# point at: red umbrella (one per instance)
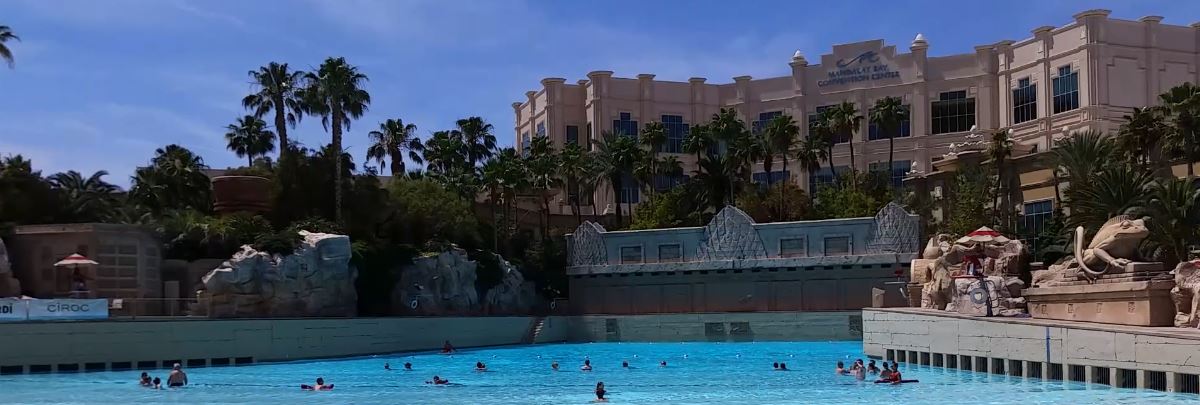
(74, 260)
(983, 235)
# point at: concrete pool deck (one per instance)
(1161, 358)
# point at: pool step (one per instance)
(535, 329)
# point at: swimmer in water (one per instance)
(624, 364)
(387, 366)
(871, 368)
(157, 384)
(841, 369)
(783, 367)
(554, 365)
(438, 381)
(600, 391)
(775, 365)
(479, 366)
(320, 386)
(407, 366)
(662, 363)
(447, 347)
(145, 379)
(587, 366)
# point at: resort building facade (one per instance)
(1086, 74)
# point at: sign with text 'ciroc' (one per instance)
(62, 309)
(12, 309)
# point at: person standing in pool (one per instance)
(871, 368)
(447, 347)
(662, 363)
(554, 365)
(841, 369)
(438, 381)
(387, 366)
(775, 365)
(145, 379)
(587, 366)
(479, 366)
(624, 364)
(177, 378)
(600, 391)
(783, 367)
(156, 384)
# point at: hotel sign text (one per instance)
(867, 66)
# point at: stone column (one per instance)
(646, 99)
(1004, 52)
(1141, 379)
(1172, 380)
(1045, 93)
(1089, 373)
(1153, 55)
(919, 113)
(986, 58)
(554, 125)
(517, 123)
(697, 102)
(1093, 74)
(601, 119)
(744, 101)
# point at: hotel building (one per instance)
(1086, 74)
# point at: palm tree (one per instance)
(1116, 189)
(1142, 133)
(714, 179)
(743, 148)
(174, 180)
(843, 122)
(87, 200)
(615, 157)
(443, 152)
(780, 134)
(1174, 207)
(335, 93)
(821, 134)
(1183, 140)
(699, 140)
(999, 149)
(887, 114)
(1078, 156)
(543, 164)
(279, 90)
(390, 141)
(477, 138)
(6, 35)
(574, 168)
(249, 137)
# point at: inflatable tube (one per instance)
(890, 382)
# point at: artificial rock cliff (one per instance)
(444, 284)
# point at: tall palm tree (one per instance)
(279, 90)
(999, 149)
(1116, 189)
(477, 138)
(615, 157)
(390, 141)
(6, 35)
(699, 140)
(809, 154)
(742, 147)
(544, 166)
(174, 180)
(335, 93)
(1081, 154)
(780, 133)
(1142, 133)
(574, 168)
(249, 137)
(443, 152)
(86, 200)
(843, 122)
(822, 135)
(1183, 141)
(887, 114)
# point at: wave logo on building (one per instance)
(865, 57)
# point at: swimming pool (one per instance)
(696, 373)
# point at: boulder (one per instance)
(513, 295)
(315, 280)
(9, 286)
(972, 295)
(444, 284)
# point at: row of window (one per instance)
(1065, 96)
(788, 247)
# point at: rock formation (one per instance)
(940, 274)
(315, 280)
(444, 284)
(1186, 293)
(9, 286)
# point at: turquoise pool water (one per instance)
(696, 373)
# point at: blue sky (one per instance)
(101, 84)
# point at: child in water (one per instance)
(600, 391)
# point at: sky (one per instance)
(100, 84)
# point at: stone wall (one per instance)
(935, 336)
(62, 345)
(718, 327)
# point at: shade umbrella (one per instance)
(75, 259)
(983, 235)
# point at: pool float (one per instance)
(307, 387)
(890, 381)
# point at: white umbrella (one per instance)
(75, 259)
(983, 235)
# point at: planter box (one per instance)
(241, 194)
(1135, 303)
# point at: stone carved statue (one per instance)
(1113, 248)
(315, 280)
(938, 290)
(998, 263)
(1186, 293)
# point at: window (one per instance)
(1024, 101)
(903, 131)
(823, 177)
(792, 247)
(625, 125)
(669, 253)
(525, 140)
(629, 190)
(900, 169)
(837, 245)
(631, 254)
(676, 132)
(541, 129)
(953, 111)
(572, 135)
(763, 181)
(1035, 216)
(1066, 89)
(663, 182)
(763, 118)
